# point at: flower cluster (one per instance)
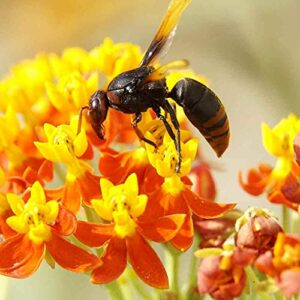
(280, 182)
(62, 188)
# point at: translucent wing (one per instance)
(164, 36)
(164, 70)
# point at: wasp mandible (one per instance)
(137, 90)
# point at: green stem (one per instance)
(172, 267)
(114, 291)
(285, 218)
(139, 286)
(252, 280)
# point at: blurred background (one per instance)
(248, 50)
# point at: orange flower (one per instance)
(283, 263)
(40, 228)
(125, 235)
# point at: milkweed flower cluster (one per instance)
(99, 206)
(62, 188)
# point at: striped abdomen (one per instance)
(205, 111)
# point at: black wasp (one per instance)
(135, 91)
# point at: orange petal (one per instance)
(46, 170)
(70, 256)
(162, 229)
(278, 198)
(205, 208)
(19, 257)
(6, 230)
(114, 261)
(89, 187)
(94, 235)
(55, 194)
(72, 196)
(146, 262)
(184, 238)
(257, 180)
(65, 223)
(117, 167)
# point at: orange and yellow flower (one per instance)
(125, 235)
(279, 142)
(40, 227)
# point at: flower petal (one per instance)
(289, 282)
(65, 223)
(184, 238)
(162, 229)
(114, 261)
(94, 235)
(70, 256)
(146, 262)
(71, 196)
(19, 257)
(205, 208)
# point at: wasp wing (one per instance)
(164, 36)
(164, 70)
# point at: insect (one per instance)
(137, 90)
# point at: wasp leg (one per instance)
(135, 121)
(80, 118)
(168, 108)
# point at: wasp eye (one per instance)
(98, 106)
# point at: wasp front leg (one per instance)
(134, 124)
(168, 108)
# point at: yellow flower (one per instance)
(279, 142)
(66, 146)
(164, 159)
(34, 216)
(9, 132)
(113, 59)
(121, 204)
(72, 91)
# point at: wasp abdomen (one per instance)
(205, 111)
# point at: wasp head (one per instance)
(98, 106)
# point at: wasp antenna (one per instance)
(80, 118)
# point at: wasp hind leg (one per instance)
(168, 108)
(135, 121)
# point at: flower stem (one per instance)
(285, 218)
(172, 267)
(114, 291)
(138, 285)
(252, 280)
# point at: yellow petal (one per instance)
(47, 151)
(53, 209)
(140, 207)
(50, 131)
(17, 224)
(80, 143)
(105, 185)
(103, 209)
(131, 185)
(15, 203)
(37, 193)
(271, 142)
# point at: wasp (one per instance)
(137, 90)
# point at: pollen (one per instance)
(121, 205)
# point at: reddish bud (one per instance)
(220, 284)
